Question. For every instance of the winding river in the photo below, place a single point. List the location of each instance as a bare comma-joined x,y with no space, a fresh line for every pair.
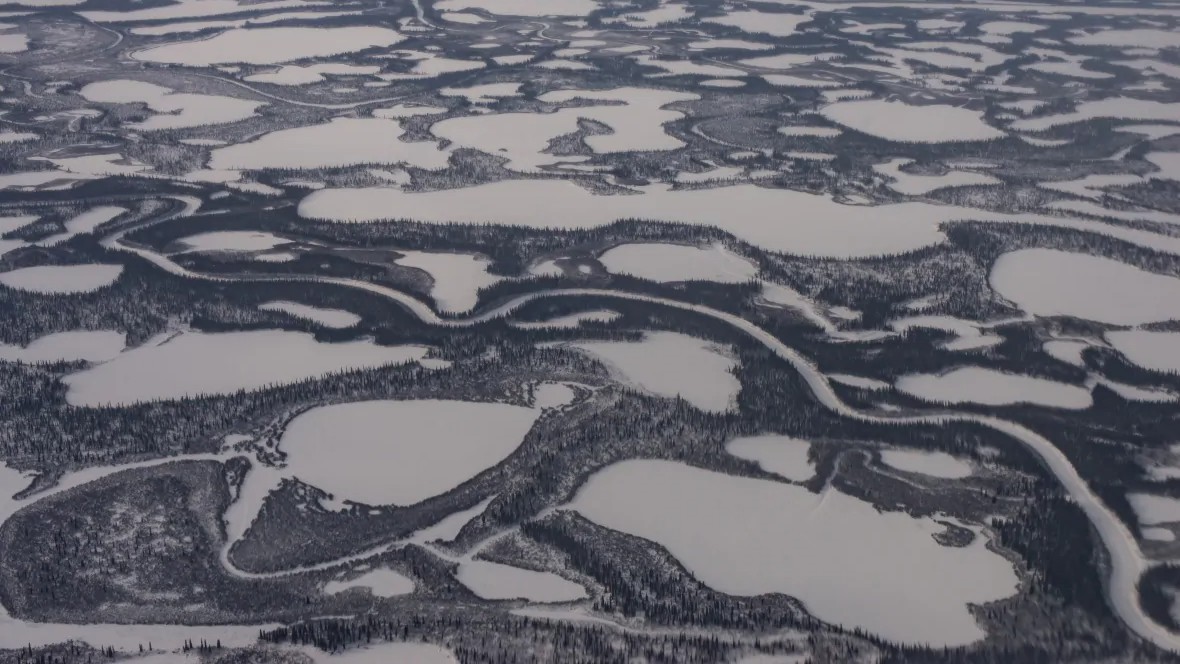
1127,561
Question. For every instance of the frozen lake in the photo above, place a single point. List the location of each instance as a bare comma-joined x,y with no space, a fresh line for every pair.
88,345
934,464
339,142
670,364
457,277
268,46
380,582
749,537
400,452
61,279
173,110
816,226
198,363
906,123
1158,351
993,388
333,318
495,581
781,455
676,262
1048,282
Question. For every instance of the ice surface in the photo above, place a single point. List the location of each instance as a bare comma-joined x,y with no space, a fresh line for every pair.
675,262
495,581
380,582
198,363
1049,282
88,345
749,537
670,364
907,123
333,318
781,455
57,279
400,452
268,46
995,388
934,464
1155,350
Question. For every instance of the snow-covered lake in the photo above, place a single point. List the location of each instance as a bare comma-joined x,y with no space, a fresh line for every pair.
677,262
173,110
59,279
782,455
1155,350
934,464
993,388
400,452
1049,282
670,364
907,123
457,277
268,46
816,225
339,142
88,345
495,581
333,318
232,241
380,582
199,363
847,562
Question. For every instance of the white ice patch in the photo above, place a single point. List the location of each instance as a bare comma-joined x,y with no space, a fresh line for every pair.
400,452
1049,282
993,388
750,537
61,279
197,363
672,365
782,455
666,263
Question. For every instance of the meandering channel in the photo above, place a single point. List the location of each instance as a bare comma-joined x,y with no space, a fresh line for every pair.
1127,561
